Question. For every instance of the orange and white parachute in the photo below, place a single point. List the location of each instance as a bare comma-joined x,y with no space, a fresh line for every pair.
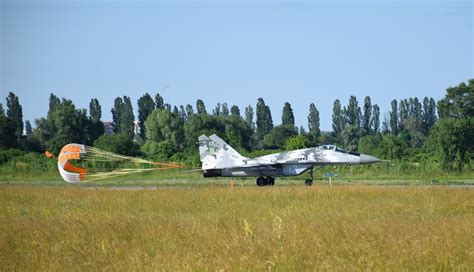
79,163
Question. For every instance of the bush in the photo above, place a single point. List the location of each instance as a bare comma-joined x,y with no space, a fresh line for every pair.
297,142
21,160
10,154
118,143
161,150
278,136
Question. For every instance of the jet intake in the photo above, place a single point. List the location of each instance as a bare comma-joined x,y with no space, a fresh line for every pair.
209,173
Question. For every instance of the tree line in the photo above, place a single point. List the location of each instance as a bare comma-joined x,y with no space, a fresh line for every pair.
418,130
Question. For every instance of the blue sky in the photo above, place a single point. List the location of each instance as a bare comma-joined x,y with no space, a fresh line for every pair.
233,52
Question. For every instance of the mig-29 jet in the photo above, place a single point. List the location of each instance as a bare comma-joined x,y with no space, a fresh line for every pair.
220,160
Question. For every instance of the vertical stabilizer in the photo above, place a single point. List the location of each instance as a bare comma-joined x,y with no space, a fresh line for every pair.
217,154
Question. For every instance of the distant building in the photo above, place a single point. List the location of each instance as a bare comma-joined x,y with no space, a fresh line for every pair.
108,128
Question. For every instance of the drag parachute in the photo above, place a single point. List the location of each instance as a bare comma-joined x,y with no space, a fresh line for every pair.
79,163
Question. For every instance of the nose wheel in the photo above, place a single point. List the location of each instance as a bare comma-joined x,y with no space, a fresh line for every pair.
265,181
309,182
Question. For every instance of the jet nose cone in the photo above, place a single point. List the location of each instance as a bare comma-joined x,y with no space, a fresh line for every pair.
367,159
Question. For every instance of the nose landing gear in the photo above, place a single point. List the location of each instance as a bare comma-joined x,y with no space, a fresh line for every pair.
309,182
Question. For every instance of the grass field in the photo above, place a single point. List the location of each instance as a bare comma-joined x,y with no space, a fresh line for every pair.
244,228
42,171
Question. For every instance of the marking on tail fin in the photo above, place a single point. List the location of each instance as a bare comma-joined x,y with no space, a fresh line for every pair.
217,154
225,146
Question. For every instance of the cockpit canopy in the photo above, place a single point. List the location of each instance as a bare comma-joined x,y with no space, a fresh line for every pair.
331,147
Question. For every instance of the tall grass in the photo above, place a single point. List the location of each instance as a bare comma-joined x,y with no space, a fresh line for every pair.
281,228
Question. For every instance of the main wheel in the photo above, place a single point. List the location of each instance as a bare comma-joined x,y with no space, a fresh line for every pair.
308,182
271,181
261,181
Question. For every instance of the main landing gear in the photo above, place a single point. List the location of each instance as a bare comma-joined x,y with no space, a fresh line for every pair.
309,182
265,181
270,181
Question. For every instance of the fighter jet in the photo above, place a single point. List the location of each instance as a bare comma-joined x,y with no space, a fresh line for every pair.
221,160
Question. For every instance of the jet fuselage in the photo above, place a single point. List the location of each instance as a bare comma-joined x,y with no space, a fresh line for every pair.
220,159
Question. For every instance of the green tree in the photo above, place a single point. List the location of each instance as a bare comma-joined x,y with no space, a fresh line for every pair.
352,112
237,133
45,127
296,142
234,110
328,138
458,102
394,118
176,111
95,110
54,101
410,120
455,129
278,136
165,127
403,114
64,125
233,129
95,130
189,111
264,119
370,144
28,128
392,147
367,116
117,114
182,113
217,110
287,116
200,124
128,118
117,143
415,119
249,117
359,119
200,107
313,124
96,125
225,110
44,131
123,117
338,122
8,138
2,111
159,102
350,136
84,128
15,113
386,124
146,106
376,118
302,131
429,114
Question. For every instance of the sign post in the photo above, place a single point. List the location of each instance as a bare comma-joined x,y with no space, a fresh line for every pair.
330,175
